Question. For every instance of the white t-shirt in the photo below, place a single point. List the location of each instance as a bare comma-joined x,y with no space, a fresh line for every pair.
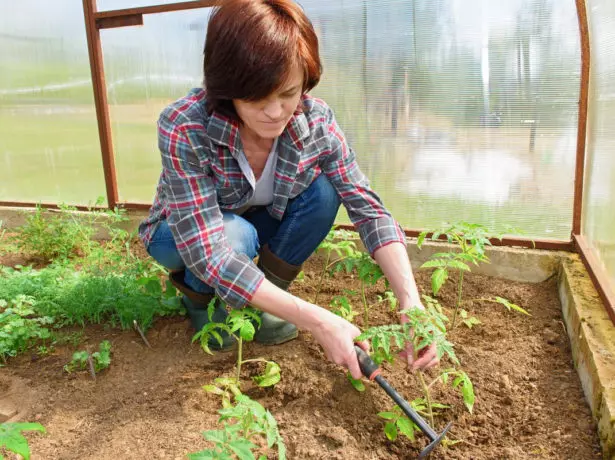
263,187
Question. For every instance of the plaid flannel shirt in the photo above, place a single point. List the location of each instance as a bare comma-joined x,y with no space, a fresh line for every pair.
201,178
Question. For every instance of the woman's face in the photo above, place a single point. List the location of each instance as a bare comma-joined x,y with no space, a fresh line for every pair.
268,117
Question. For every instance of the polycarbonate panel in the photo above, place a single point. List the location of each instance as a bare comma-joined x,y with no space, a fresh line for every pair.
49,145
599,204
146,68
457,109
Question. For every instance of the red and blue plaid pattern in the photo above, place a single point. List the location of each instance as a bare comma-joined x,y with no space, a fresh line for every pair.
201,177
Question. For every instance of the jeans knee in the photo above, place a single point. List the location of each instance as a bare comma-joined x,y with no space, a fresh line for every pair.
324,198
241,235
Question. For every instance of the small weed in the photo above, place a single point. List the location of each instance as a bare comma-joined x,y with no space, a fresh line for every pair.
100,358
12,439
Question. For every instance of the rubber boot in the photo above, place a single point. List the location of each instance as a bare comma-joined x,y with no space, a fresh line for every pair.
196,307
274,330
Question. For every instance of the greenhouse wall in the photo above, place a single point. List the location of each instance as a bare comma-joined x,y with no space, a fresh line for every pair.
49,146
599,195
457,109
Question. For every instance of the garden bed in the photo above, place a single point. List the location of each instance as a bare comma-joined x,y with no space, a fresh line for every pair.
150,403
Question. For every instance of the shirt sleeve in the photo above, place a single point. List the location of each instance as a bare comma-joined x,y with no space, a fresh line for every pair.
376,226
196,221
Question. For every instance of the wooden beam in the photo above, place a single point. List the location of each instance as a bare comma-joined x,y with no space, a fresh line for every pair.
597,274
100,100
579,174
134,16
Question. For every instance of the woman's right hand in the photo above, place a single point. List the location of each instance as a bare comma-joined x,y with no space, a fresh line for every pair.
337,337
334,334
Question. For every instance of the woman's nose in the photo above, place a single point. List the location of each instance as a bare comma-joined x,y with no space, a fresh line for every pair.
273,110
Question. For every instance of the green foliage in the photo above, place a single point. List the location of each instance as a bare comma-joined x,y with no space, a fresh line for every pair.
390,298
50,235
242,322
270,377
19,329
468,320
100,358
249,429
424,327
357,384
386,341
397,422
509,305
225,387
462,382
428,327
80,297
368,271
338,242
12,439
472,240
342,307
240,325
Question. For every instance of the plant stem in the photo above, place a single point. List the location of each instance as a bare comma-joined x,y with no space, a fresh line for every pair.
254,360
459,292
427,397
239,357
365,307
322,277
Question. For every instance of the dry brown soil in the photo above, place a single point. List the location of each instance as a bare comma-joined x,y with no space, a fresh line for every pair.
150,405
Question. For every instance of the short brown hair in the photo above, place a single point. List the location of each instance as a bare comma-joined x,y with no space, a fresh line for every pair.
251,47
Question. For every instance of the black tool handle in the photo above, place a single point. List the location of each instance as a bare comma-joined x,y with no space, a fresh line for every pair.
369,368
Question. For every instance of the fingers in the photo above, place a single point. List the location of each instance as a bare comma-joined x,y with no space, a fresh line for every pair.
425,360
353,366
363,344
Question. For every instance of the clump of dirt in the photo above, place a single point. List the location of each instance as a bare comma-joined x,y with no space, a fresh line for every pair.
150,404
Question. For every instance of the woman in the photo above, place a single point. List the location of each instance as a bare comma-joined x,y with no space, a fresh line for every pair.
252,165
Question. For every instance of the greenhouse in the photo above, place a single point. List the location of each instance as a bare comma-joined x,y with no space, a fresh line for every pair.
216,215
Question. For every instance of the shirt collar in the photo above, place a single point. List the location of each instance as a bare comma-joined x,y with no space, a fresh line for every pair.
225,131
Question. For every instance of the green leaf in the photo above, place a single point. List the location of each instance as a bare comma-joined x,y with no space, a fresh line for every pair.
511,306
457,264
12,439
356,383
438,277
247,331
406,427
213,389
242,448
387,415
434,264
390,430
270,377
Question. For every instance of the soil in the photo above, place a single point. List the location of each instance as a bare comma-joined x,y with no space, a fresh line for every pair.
150,402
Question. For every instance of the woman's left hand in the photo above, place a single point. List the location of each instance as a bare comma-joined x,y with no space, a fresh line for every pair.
427,357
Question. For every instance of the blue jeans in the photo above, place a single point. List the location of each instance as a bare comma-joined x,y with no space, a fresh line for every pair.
306,222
